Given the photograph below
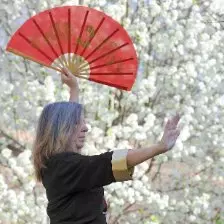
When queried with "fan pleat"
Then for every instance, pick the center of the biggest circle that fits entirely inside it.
(104, 41)
(94, 34)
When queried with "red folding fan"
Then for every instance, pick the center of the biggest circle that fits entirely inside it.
(90, 43)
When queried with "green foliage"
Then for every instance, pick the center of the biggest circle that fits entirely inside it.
(195, 2)
(219, 220)
(154, 218)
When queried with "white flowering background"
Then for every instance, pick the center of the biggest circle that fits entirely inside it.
(180, 47)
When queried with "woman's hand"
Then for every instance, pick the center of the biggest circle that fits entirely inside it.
(170, 133)
(135, 157)
(69, 79)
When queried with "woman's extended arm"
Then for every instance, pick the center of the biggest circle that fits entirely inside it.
(135, 157)
(71, 81)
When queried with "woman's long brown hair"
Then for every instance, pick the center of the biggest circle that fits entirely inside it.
(56, 126)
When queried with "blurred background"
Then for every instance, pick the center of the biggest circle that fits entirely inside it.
(180, 47)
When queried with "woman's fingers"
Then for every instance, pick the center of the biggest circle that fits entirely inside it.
(68, 78)
(172, 123)
(171, 133)
(167, 126)
(64, 77)
(176, 119)
(67, 72)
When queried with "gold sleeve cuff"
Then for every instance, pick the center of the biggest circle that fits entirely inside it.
(120, 169)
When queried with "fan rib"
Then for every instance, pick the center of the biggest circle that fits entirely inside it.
(108, 73)
(100, 24)
(56, 33)
(123, 45)
(114, 85)
(35, 46)
(80, 34)
(77, 44)
(31, 58)
(46, 39)
(116, 62)
(69, 36)
(104, 41)
(103, 55)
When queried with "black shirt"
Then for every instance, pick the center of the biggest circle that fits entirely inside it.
(74, 185)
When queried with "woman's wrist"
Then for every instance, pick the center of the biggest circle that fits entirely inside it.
(74, 94)
(161, 147)
(74, 88)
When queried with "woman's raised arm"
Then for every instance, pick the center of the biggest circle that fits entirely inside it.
(71, 81)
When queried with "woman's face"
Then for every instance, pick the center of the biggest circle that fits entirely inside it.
(80, 134)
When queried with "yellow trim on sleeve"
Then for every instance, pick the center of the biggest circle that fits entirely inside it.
(119, 165)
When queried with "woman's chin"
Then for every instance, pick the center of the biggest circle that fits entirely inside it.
(80, 145)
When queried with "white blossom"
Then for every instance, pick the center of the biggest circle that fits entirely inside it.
(180, 58)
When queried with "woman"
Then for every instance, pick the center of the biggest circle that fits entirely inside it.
(74, 182)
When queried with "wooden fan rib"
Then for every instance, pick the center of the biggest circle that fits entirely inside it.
(77, 44)
(35, 46)
(123, 45)
(110, 84)
(58, 39)
(46, 39)
(69, 36)
(104, 41)
(82, 29)
(111, 51)
(108, 73)
(32, 59)
(98, 27)
(103, 65)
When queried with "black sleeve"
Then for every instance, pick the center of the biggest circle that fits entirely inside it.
(80, 172)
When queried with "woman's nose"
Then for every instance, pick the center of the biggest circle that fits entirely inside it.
(85, 129)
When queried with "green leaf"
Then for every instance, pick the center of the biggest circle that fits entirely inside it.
(141, 211)
(44, 74)
(154, 218)
(219, 221)
(109, 132)
(16, 97)
(195, 2)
